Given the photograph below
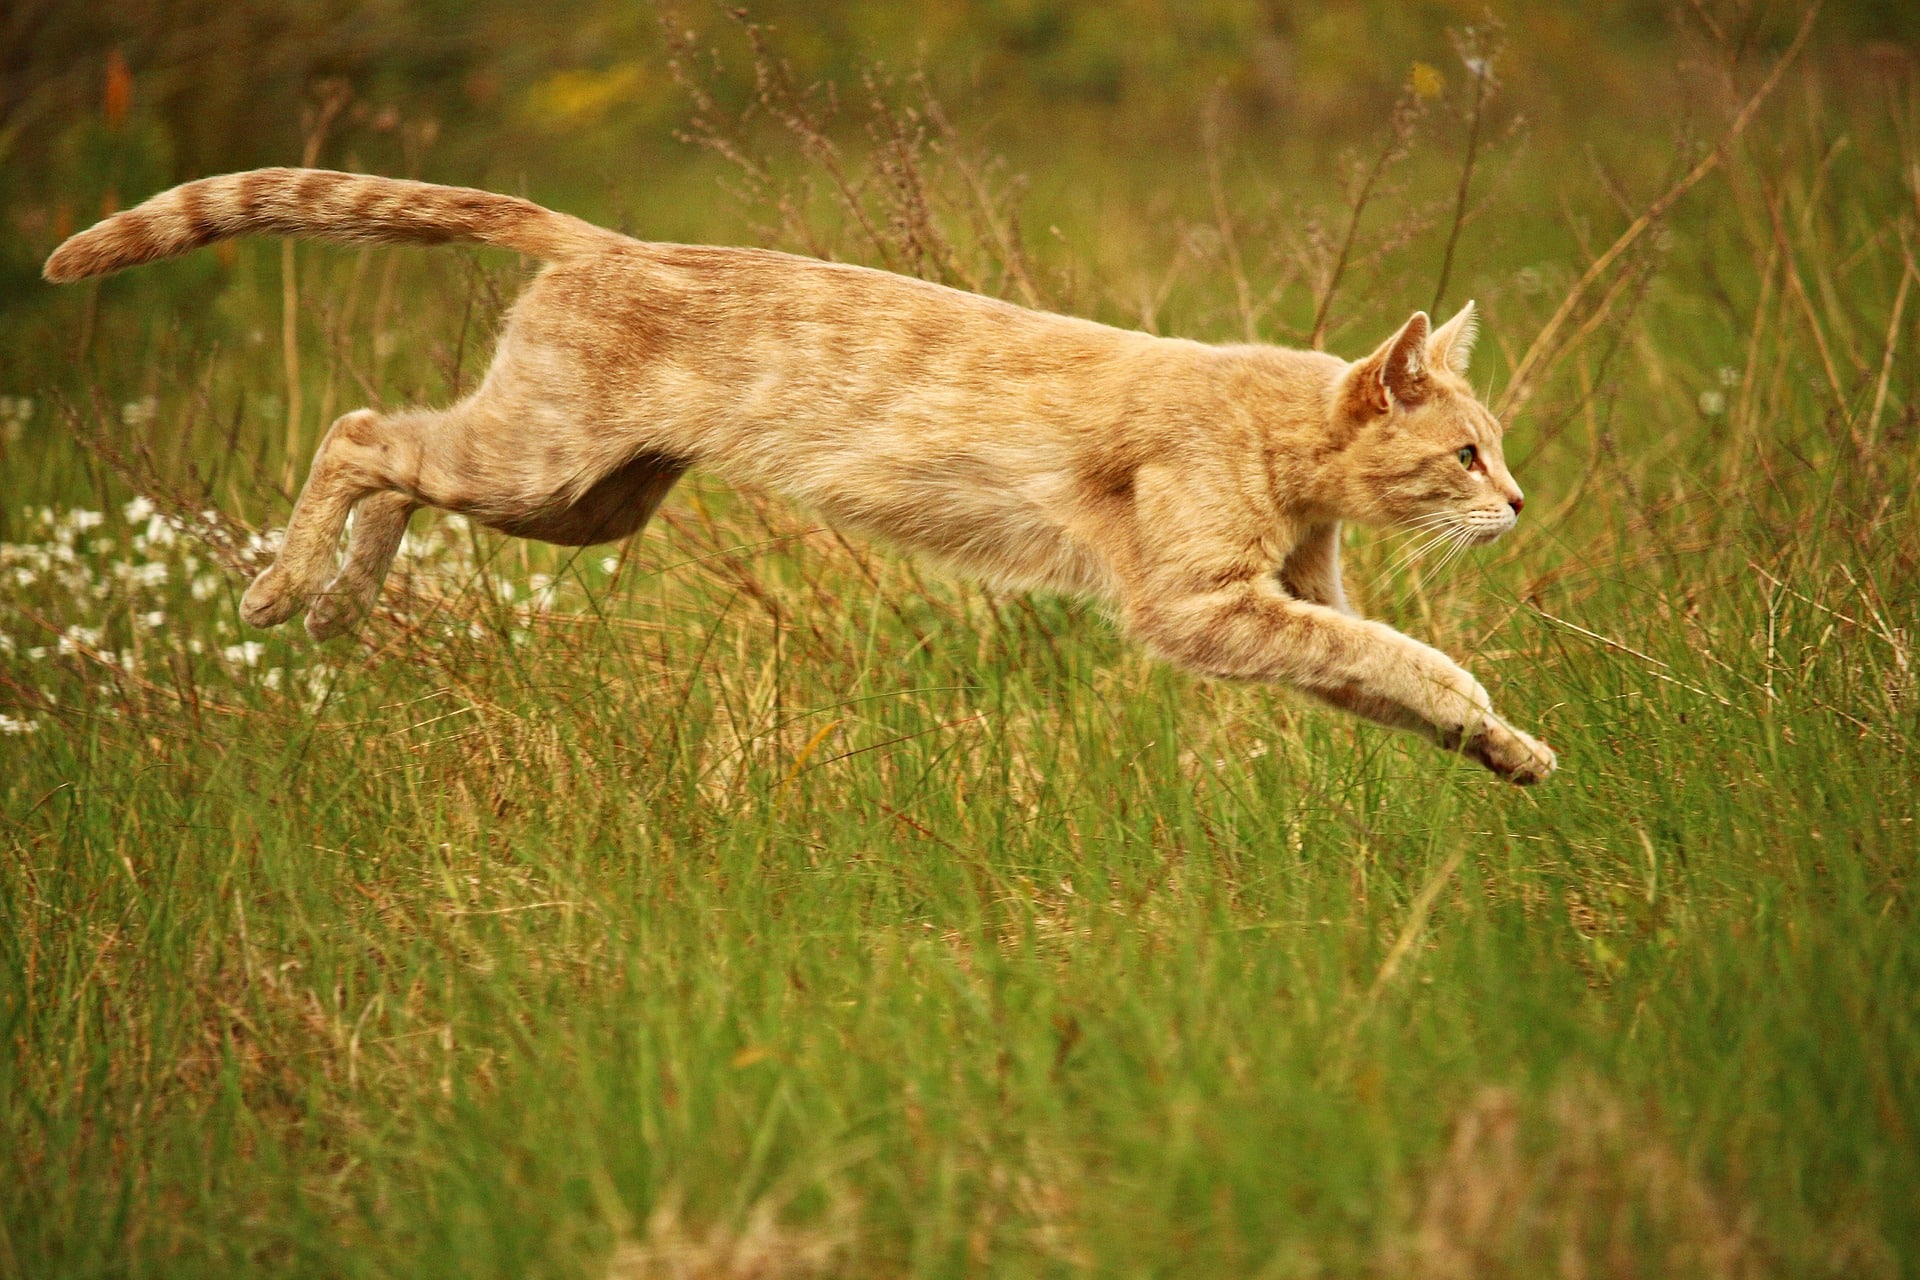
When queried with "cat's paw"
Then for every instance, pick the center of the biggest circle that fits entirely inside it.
(334, 612)
(271, 599)
(1520, 758)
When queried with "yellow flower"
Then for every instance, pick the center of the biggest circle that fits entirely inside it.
(584, 97)
(1427, 81)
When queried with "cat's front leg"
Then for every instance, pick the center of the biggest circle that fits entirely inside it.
(1251, 630)
(1198, 587)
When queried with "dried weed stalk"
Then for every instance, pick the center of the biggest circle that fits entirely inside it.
(916, 198)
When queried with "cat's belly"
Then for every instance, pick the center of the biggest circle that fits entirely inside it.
(960, 512)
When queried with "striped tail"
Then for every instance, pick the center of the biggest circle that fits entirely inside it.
(355, 207)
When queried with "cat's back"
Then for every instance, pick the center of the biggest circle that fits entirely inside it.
(683, 300)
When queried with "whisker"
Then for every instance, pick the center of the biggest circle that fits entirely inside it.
(1420, 524)
(1406, 562)
(1454, 539)
(1462, 542)
(1411, 554)
(1428, 538)
(1439, 538)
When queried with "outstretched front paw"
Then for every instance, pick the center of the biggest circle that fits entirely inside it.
(1518, 757)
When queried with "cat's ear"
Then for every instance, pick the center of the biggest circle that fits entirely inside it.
(1405, 372)
(1397, 370)
(1451, 346)
(1403, 361)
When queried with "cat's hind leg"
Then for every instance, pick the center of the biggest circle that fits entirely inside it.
(363, 454)
(379, 525)
(474, 458)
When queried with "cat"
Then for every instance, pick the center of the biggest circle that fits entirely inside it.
(1196, 490)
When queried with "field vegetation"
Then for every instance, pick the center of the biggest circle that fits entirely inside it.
(749, 901)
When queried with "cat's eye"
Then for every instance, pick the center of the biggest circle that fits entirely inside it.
(1467, 455)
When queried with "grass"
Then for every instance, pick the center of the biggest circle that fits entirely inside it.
(748, 902)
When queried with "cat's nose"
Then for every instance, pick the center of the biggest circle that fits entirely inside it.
(1516, 502)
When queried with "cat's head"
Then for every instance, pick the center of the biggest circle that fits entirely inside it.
(1417, 448)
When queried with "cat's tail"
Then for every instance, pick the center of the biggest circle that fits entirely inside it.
(355, 207)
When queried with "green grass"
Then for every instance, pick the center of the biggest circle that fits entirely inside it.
(759, 900)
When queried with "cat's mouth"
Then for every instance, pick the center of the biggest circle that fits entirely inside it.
(1470, 528)
(1483, 525)
(1488, 529)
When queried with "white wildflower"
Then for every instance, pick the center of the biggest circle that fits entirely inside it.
(1713, 403)
(153, 621)
(609, 563)
(77, 638)
(1729, 376)
(15, 412)
(10, 725)
(245, 654)
(268, 543)
(319, 685)
(138, 413)
(205, 587)
(151, 574)
(139, 510)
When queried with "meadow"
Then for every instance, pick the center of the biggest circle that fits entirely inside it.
(749, 901)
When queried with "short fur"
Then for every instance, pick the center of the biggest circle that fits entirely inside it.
(1198, 490)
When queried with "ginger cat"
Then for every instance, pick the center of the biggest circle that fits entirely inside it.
(1197, 490)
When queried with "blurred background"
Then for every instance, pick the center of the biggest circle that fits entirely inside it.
(576, 101)
(142, 92)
